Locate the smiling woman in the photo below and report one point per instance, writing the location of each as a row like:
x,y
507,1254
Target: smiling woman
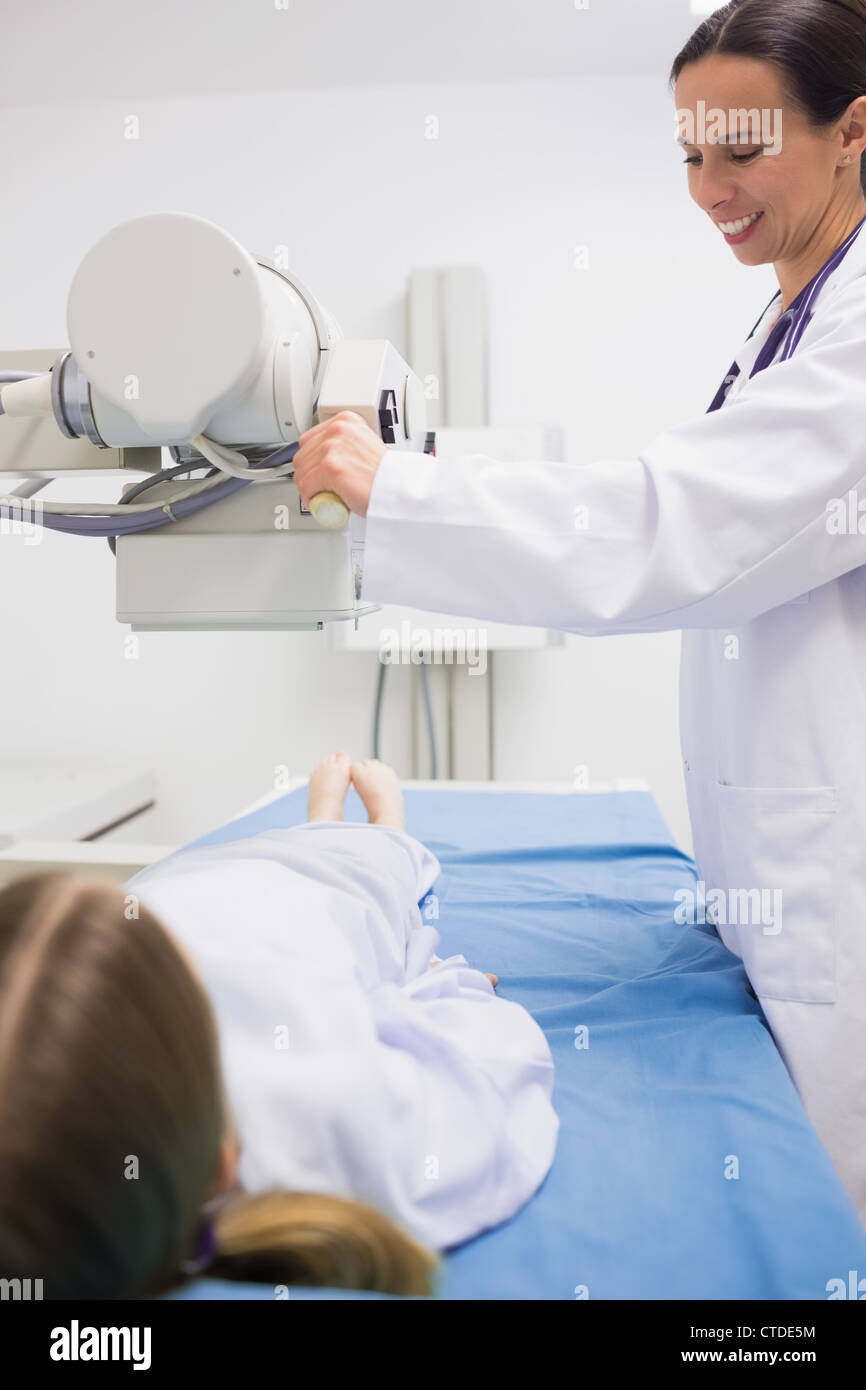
x,y
816,47
787,100
719,527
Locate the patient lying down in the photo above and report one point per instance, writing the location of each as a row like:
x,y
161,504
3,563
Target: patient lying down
x,y
246,1062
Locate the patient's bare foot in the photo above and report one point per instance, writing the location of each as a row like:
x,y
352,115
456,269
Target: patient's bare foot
x,y
327,787
378,786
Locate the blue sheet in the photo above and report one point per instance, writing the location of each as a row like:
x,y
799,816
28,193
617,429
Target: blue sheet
x,y
570,900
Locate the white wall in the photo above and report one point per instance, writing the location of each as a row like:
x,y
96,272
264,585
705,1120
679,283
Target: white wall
x,y
523,172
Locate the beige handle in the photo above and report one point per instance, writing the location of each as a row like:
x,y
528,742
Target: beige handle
x,y
329,510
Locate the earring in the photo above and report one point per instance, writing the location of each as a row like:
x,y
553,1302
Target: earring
x,y
847,159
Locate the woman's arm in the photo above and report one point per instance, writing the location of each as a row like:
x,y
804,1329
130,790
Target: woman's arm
x,y
715,522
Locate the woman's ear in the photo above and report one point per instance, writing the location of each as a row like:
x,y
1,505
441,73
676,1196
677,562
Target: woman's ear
x,y
854,128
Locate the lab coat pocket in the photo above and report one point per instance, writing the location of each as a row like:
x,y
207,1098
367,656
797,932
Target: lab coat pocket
x,y
780,863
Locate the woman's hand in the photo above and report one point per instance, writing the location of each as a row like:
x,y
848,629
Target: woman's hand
x,y
341,455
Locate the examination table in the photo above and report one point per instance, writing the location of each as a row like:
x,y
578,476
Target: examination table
x,y
686,1165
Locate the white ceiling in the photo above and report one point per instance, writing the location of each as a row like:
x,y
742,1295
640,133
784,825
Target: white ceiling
x,y
54,51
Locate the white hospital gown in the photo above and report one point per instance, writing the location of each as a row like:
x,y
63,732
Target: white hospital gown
x,y
354,1067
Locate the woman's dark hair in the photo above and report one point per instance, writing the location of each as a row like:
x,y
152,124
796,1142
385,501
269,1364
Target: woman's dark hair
x,y
819,47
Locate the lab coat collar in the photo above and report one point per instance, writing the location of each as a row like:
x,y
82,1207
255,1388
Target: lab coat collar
x,y
854,263
851,267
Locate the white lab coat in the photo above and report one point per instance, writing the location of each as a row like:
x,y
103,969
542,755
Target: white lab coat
x,y
352,1066
719,527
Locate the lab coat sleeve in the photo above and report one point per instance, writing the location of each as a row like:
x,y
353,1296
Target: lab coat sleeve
x,y
715,522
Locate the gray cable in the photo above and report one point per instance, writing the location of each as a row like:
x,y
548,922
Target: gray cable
x,y
428,706
377,711
163,476
146,521
80,525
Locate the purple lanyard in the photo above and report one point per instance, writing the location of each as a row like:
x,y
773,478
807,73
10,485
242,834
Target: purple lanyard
x,y
791,325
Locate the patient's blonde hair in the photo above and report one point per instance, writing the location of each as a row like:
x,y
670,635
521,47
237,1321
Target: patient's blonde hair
x,y
113,1116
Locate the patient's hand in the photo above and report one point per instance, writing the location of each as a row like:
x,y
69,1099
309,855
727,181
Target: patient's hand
x,y
327,787
494,979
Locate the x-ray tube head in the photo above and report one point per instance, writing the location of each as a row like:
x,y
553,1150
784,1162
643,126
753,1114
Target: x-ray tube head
x,y
180,332
180,339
